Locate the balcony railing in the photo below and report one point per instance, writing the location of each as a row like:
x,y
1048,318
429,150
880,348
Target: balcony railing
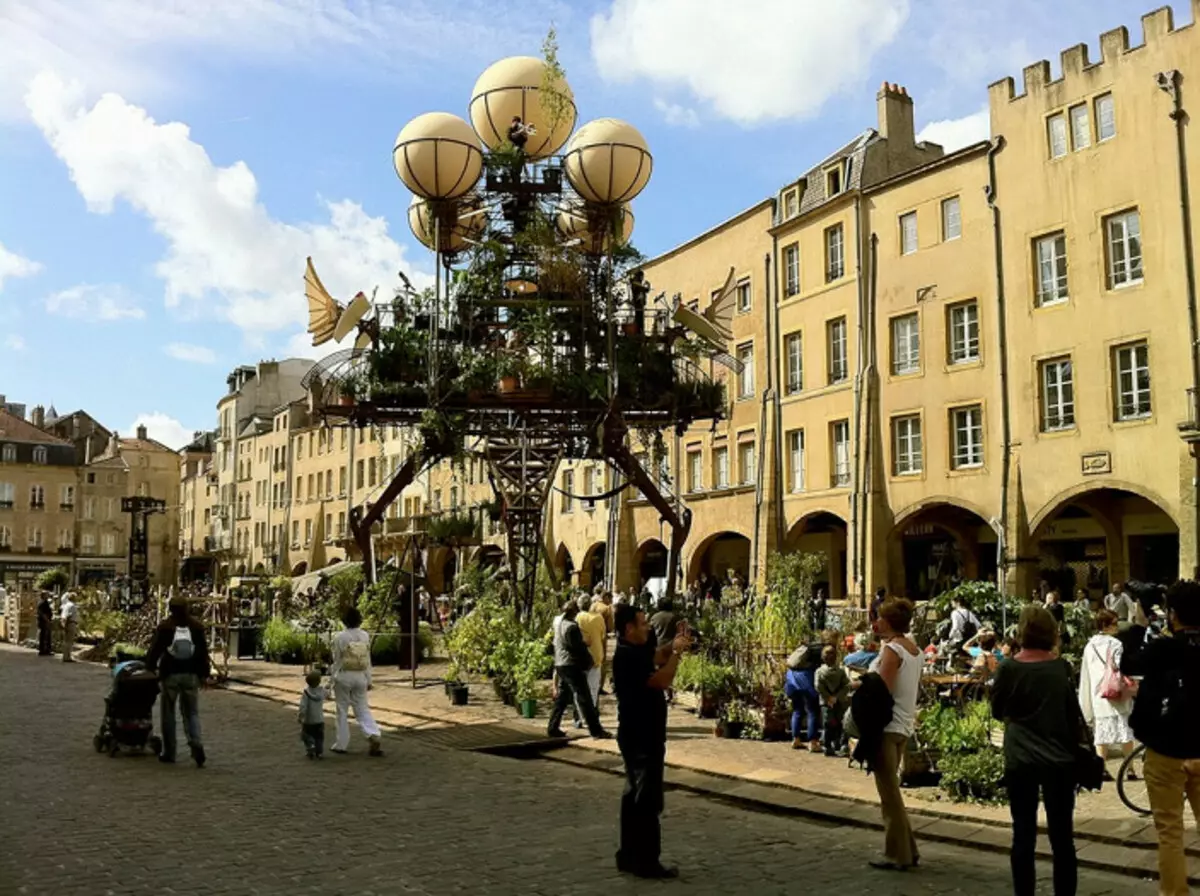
x,y
5,548
66,549
38,505
66,505
6,505
33,549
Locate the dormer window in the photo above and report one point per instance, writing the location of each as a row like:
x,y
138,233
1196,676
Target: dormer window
x,y
791,204
39,455
9,454
833,181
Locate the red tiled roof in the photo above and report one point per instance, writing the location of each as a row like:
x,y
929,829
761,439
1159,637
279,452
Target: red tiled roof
x,y
14,429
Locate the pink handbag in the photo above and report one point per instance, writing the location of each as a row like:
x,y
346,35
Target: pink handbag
x,y
1113,685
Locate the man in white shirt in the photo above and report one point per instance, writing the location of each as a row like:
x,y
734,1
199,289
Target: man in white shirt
x,y
964,624
1122,604
69,614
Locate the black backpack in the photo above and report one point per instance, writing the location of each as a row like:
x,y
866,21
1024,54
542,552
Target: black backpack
x,y
1168,704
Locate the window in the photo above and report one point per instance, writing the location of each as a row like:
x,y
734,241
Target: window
x,y
745,354
329,483
1051,253
108,544
721,467
7,496
908,233
454,497
906,446
1124,250
66,496
964,332
143,489
1056,129
951,219
342,441
695,467
37,497
796,459
839,439
835,253
298,495
1106,118
39,455
312,492
833,182
791,271
299,447
33,538
744,297
91,478
1081,128
9,454
746,463
967,429
311,436
1131,365
1058,395
568,486
341,480
589,480
791,204
296,532
358,474
839,364
308,527
341,529
371,471
88,543
906,344
794,348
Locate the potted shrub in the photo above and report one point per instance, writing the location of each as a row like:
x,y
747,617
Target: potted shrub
x,y
735,715
456,688
510,368
533,667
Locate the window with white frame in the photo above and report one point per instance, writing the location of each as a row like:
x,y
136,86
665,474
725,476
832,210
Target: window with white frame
x,y
794,352
39,455
791,270
839,362
906,344
108,544
33,537
66,539
833,181
454,497
745,298
1081,127
791,204
1106,118
747,471
5,537
66,496
1051,258
908,233
745,354
1058,394
963,325
695,468
1124,249
87,543
589,480
1131,367
8,454
308,530
37,497
1056,134
835,253
720,467
8,497
796,459
967,437
951,219
296,532
568,487
839,439
907,453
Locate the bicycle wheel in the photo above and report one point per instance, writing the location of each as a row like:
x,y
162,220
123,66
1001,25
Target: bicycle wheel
x,y
1131,783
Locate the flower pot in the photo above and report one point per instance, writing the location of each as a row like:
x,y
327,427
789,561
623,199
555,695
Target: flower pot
x,y
458,695
629,328
730,730
509,384
528,709
345,401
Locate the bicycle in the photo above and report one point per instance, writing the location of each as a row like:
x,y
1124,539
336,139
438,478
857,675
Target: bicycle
x,y
1131,782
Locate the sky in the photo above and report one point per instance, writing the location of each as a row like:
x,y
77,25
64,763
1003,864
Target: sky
x,y
167,165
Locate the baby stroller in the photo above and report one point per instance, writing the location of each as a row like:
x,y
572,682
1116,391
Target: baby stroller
x,y
128,711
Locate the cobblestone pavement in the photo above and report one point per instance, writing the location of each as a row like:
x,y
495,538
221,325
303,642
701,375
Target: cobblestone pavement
x,y
260,819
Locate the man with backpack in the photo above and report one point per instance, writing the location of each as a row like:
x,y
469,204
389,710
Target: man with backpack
x,y
1164,719
964,625
180,656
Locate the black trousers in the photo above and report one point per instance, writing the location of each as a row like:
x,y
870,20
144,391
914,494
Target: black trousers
x,y
1056,787
44,647
573,688
641,805
314,737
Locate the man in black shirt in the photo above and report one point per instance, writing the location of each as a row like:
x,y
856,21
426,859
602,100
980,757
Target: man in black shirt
x,y
641,673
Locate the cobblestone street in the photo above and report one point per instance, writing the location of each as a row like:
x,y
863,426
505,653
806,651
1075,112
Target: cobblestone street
x,y
260,819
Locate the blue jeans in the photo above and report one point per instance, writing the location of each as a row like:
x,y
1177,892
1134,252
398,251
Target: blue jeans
x,y
802,691
184,688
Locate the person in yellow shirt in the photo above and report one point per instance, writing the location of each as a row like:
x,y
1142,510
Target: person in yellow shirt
x,y
595,636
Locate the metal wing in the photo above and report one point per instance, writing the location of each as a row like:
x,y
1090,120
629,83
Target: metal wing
x,y
323,311
720,312
702,327
349,318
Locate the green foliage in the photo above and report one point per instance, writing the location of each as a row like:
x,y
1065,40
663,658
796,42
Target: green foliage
x,y
452,528
555,102
389,648
985,600
974,777
128,651
283,585
949,729
344,589
53,579
739,711
281,643
791,578
375,603
533,666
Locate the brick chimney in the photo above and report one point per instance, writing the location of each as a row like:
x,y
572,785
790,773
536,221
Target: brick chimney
x,y
896,115
38,416
141,431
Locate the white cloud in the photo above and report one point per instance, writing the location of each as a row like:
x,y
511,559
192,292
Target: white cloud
x,y
14,343
956,133
162,428
94,302
194,354
677,115
14,265
226,255
752,61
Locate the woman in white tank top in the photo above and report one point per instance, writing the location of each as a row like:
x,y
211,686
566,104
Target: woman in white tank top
x,y
899,664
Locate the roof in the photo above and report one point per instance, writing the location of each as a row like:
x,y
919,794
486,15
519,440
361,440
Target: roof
x,y
814,179
256,426
145,445
109,460
14,429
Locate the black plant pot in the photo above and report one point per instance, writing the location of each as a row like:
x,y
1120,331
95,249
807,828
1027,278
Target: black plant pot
x,y
731,730
458,695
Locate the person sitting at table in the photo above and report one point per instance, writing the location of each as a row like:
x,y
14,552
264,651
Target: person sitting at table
x,y
865,652
985,654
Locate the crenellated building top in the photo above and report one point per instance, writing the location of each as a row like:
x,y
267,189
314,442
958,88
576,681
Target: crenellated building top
x,y
1074,62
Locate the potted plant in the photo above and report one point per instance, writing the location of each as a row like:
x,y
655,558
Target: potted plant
x,y
533,667
509,369
735,715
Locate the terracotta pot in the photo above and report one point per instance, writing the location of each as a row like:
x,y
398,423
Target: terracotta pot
x,y
509,384
629,328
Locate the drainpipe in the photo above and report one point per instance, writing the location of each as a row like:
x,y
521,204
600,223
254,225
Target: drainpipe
x,y
991,191
856,472
777,442
768,397
869,373
1170,82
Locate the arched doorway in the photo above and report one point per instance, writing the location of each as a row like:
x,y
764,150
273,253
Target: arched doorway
x,y
721,555
1091,539
592,572
449,571
300,568
936,546
651,561
823,532
564,565
259,569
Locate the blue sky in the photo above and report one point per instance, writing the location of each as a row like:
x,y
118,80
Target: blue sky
x,y
166,165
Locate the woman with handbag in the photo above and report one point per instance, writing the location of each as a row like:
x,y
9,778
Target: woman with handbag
x,y
1033,695
1105,695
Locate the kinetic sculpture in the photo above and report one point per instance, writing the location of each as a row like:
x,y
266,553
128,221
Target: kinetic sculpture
x,y
536,343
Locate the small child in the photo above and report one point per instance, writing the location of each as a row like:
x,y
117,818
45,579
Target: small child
x,y
312,716
833,687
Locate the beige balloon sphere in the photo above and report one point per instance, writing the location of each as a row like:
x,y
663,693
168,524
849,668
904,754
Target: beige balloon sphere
x,y
438,156
594,228
462,221
513,87
608,161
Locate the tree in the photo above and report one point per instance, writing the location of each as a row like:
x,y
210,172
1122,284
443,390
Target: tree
x,y
53,579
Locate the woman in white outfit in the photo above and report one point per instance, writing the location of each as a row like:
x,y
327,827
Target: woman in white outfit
x,y
1109,718
351,675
